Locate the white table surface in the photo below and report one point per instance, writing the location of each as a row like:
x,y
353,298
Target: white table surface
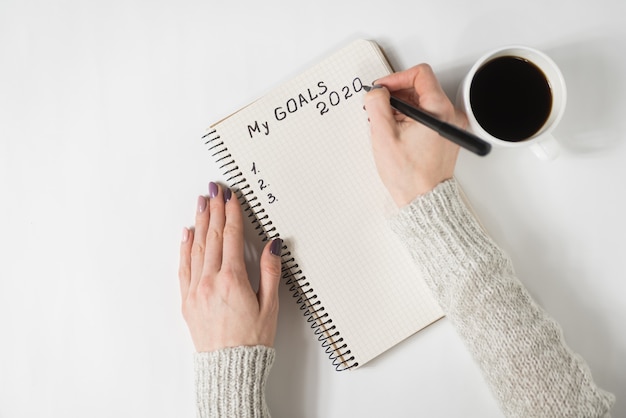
x,y
102,104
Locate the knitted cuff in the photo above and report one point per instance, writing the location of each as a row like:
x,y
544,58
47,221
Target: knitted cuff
x,y
231,382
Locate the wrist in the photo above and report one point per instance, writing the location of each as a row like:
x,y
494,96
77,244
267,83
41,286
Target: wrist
x,y
404,197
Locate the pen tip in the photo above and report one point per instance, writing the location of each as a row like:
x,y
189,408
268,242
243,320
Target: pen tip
x,y
367,88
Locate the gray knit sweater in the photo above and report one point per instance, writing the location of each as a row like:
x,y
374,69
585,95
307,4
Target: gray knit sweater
x,y
520,349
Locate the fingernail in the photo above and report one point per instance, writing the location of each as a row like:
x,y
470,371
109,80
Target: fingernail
x,y
185,235
213,189
276,247
227,194
201,204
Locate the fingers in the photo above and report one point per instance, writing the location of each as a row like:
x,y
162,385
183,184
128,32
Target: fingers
x,y
430,93
233,232
206,240
215,232
218,236
270,276
184,268
406,79
382,120
198,245
419,85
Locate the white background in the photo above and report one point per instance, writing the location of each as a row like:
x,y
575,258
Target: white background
x,y
102,104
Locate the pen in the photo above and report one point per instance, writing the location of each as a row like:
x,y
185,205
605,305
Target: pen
x,y
460,137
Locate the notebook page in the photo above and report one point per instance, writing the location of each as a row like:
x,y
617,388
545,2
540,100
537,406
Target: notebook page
x,y
305,152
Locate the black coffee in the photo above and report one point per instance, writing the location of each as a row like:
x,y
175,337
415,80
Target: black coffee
x,y
510,98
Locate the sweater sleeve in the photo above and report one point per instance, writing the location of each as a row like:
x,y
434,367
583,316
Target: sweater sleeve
x,y
518,347
231,382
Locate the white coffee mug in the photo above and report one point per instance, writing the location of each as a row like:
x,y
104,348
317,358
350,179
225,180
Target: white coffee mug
x,y
542,142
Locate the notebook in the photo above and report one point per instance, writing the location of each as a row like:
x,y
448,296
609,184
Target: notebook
x,y
300,160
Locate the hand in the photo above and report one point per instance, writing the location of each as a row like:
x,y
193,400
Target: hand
x,y
411,158
218,303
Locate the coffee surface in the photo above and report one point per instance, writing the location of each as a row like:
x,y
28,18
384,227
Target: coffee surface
x,y
511,98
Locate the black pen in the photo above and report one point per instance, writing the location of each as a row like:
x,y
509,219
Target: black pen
x,y
460,137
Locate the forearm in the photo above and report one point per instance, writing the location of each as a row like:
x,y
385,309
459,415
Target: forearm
x,y
519,348
231,382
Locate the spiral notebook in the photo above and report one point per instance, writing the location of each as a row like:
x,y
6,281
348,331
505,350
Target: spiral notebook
x,y
300,161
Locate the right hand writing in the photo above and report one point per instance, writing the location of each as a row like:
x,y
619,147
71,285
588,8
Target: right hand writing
x,y
411,158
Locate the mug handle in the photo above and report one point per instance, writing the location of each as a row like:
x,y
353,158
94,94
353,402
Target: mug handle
x,y
546,149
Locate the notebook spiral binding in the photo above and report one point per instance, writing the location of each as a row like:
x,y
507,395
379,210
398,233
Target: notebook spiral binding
x,y
313,310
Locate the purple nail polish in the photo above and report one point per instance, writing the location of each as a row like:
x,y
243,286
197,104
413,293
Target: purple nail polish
x,y
276,247
213,190
227,194
201,204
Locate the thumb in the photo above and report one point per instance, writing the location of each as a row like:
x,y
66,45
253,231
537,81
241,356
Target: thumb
x,y
270,275
382,120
